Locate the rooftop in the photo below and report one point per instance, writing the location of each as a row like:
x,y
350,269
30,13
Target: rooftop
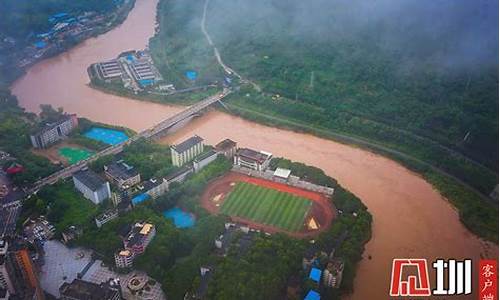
x,y
253,155
315,274
312,295
187,144
107,214
225,144
283,173
121,170
138,232
48,126
179,172
146,228
205,155
89,179
79,289
124,253
151,183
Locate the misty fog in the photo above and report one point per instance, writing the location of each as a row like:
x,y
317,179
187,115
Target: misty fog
x,y
459,33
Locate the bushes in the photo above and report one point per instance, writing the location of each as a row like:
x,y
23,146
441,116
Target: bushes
x,y
63,205
15,126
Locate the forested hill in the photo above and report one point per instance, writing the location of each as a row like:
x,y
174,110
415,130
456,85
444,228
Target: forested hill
x,y
430,67
420,77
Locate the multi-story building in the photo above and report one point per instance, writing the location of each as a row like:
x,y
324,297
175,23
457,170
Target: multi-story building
x,y
54,132
122,175
186,151
226,147
20,273
110,69
3,247
4,294
5,281
179,175
332,275
91,186
155,187
105,217
124,258
142,71
5,277
204,159
83,290
135,243
139,237
252,159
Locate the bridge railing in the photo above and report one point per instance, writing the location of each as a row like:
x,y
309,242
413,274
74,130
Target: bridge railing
x,y
147,133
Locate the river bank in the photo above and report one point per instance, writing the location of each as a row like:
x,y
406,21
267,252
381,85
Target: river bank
x,y
410,217
118,18
470,202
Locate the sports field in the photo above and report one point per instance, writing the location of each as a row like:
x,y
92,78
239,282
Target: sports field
x,y
106,135
74,155
267,206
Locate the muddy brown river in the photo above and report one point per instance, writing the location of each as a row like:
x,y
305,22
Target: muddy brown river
x,y
410,218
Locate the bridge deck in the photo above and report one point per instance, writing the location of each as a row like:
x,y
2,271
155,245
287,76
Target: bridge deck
x,y
148,134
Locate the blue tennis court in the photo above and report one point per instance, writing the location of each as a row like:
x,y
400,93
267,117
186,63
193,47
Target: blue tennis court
x,y
105,135
180,218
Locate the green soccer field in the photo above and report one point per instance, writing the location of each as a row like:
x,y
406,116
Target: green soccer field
x,y
267,206
74,155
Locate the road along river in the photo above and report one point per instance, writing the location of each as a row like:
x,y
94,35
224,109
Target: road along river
x,y
410,218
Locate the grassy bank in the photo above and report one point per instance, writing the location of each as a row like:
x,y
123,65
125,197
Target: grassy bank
x,y
345,87
477,212
187,98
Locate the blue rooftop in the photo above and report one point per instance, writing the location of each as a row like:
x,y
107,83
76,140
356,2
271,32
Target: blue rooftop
x,y
40,44
60,15
312,295
146,82
191,75
140,198
315,274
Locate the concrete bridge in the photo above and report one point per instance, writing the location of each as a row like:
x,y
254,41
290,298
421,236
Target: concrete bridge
x,y
153,132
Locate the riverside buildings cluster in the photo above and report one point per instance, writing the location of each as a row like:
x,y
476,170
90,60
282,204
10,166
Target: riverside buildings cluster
x,y
135,70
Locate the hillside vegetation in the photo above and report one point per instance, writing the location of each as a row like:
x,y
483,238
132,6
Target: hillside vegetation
x,y
376,73
417,82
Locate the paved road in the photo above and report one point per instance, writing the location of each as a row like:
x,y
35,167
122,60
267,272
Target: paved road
x,y
226,68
